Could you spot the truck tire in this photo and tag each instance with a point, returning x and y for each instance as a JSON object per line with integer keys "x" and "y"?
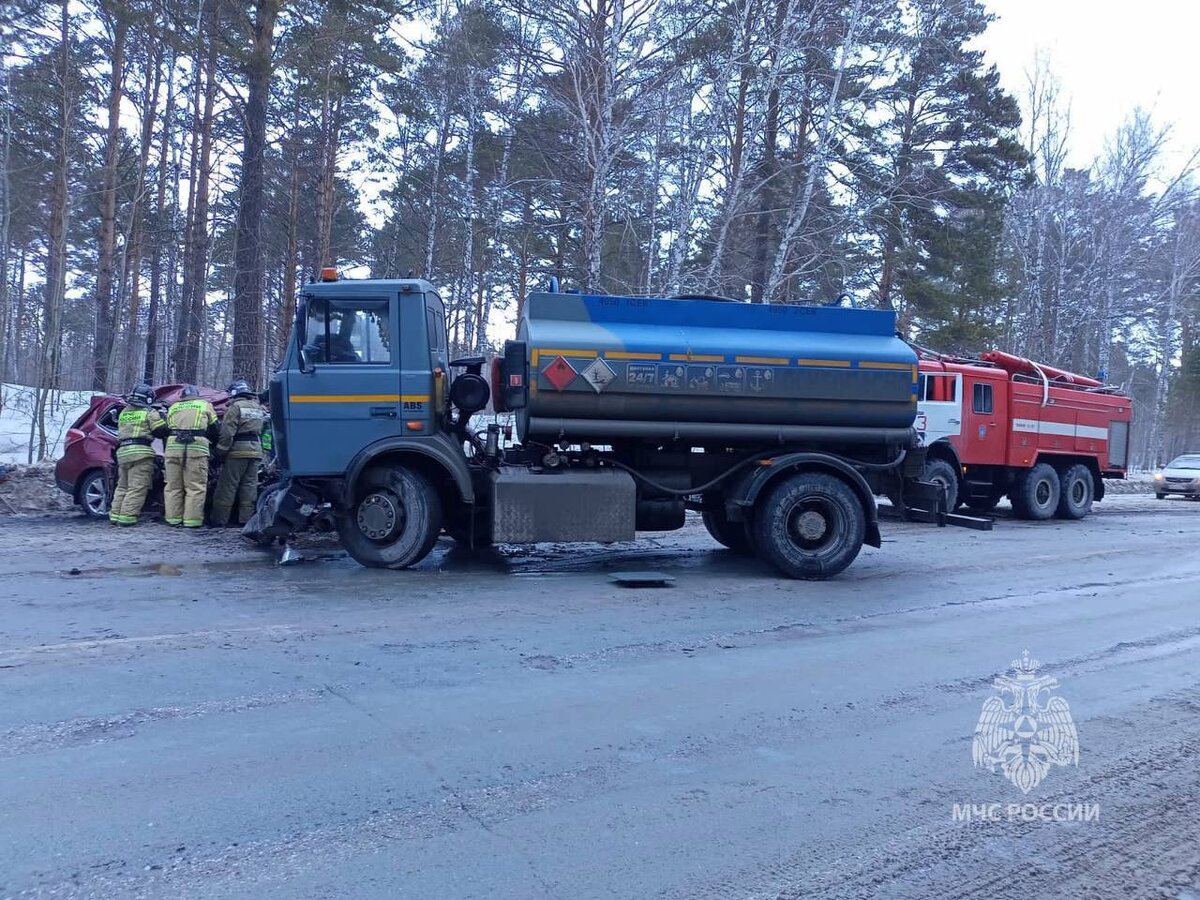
{"x": 810, "y": 525}
{"x": 395, "y": 520}
{"x": 1078, "y": 491}
{"x": 731, "y": 535}
{"x": 941, "y": 472}
{"x": 1035, "y": 495}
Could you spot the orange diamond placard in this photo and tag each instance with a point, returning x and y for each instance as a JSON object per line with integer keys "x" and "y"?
{"x": 559, "y": 373}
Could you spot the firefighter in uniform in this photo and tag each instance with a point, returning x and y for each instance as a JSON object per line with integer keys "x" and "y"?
{"x": 137, "y": 426}
{"x": 240, "y": 450}
{"x": 192, "y": 423}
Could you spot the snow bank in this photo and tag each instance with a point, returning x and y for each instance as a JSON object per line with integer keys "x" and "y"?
{"x": 17, "y": 411}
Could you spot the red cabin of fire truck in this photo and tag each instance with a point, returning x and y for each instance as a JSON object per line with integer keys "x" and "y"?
{"x": 1001, "y": 425}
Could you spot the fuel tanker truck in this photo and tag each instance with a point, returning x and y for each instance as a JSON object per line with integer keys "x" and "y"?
{"x": 778, "y": 424}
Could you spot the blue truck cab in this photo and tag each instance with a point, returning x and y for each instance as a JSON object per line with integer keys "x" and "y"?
{"x": 778, "y": 427}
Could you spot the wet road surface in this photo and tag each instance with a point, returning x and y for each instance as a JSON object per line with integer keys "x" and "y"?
{"x": 180, "y": 718}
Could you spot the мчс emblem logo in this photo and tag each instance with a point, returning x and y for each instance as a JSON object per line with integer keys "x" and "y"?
{"x": 1024, "y": 729}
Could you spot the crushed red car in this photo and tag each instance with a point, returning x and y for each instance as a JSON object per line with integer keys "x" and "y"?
{"x": 86, "y": 470}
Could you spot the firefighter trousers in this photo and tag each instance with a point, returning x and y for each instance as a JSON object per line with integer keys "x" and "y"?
{"x": 135, "y": 477}
{"x": 238, "y": 482}
{"x": 185, "y": 488}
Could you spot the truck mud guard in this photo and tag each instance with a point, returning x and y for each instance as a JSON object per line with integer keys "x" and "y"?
{"x": 747, "y": 489}
{"x": 439, "y": 448}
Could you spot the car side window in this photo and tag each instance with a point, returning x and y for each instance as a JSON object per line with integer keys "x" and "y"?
{"x": 108, "y": 421}
{"x": 981, "y": 401}
{"x": 348, "y": 332}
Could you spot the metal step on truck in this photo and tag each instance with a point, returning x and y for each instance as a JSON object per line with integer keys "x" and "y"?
{"x": 778, "y": 423}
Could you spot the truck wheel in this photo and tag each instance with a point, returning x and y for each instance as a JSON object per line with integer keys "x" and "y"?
{"x": 1078, "y": 491}
{"x": 810, "y": 525}
{"x": 942, "y": 473}
{"x": 395, "y": 519}
{"x": 731, "y": 535}
{"x": 1036, "y": 493}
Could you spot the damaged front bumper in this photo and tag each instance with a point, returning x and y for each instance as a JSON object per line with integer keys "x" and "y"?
{"x": 286, "y": 509}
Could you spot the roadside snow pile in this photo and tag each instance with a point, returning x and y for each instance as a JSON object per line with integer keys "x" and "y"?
{"x": 18, "y": 412}
{"x": 1134, "y": 484}
{"x": 26, "y": 489}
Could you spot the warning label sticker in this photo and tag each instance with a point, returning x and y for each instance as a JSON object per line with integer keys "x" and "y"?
{"x": 559, "y": 373}
{"x": 599, "y": 375}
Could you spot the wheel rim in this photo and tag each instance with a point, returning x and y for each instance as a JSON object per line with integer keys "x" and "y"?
{"x": 380, "y": 516}
{"x": 1042, "y": 492}
{"x": 1078, "y": 492}
{"x": 95, "y": 498}
{"x": 813, "y": 524}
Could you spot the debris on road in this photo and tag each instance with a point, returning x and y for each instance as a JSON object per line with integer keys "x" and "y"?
{"x": 642, "y": 579}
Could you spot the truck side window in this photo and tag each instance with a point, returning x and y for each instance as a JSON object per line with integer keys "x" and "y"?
{"x": 981, "y": 401}
{"x": 435, "y": 337}
{"x": 344, "y": 332}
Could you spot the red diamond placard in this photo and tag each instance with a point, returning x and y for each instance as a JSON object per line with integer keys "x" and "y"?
{"x": 559, "y": 373}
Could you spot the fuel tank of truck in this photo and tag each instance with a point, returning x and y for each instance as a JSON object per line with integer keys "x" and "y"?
{"x": 712, "y": 372}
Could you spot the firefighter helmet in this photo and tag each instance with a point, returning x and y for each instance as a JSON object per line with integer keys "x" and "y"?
{"x": 189, "y": 391}
{"x": 241, "y": 388}
{"x": 141, "y": 394}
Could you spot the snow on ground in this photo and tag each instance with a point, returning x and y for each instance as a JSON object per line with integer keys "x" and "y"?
{"x": 18, "y": 405}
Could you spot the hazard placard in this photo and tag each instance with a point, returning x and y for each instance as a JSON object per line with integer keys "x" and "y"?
{"x": 559, "y": 373}
{"x": 598, "y": 374}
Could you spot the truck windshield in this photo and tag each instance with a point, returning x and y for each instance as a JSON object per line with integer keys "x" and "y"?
{"x": 347, "y": 332}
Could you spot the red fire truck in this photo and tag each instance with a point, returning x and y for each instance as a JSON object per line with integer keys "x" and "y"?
{"x": 1001, "y": 425}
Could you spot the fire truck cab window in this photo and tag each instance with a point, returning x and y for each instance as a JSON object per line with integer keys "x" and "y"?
{"x": 938, "y": 388}
{"x": 981, "y": 401}
{"x": 347, "y": 332}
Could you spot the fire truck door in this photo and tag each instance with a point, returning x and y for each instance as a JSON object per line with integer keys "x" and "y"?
{"x": 985, "y": 432}
{"x": 939, "y": 407}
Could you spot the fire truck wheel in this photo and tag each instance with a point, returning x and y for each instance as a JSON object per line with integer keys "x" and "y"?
{"x": 1078, "y": 491}
{"x": 395, "y": 519}
{"x": 810, "y": 525}
{"x": 1036, "y": 493}
{"x": 942, "y": 473}
{"x": 731, "y": 535}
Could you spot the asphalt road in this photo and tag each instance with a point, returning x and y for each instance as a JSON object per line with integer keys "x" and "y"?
{"x": 183, "y": 719}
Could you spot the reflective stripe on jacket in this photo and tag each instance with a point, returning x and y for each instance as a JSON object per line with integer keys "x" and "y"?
{"x": 136, "y": 427}
{"x": 194, "y": 416}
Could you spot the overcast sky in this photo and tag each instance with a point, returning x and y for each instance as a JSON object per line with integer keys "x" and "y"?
{"x": 1109, "y": 57}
